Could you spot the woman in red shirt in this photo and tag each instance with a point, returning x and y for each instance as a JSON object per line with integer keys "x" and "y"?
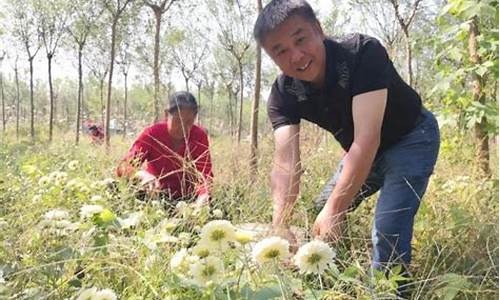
{"x": 173, "y": 155}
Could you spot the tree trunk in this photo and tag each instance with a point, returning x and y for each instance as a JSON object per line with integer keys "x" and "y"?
{"x": 110, "y": 81}
{"x": 156, "y": 64}
{"x": 230, "y": 110}
{"x": 80, "y": 95}
{"x": 186, "y": 79}
{"x": 408, "y": 58}
{"x": 125, "y": 107}
{"x": 18, "y": 100}
{"x": 480, "y": 130}
{"x": 212, "y": 94}
{"x": 51, "y": 100}
{"x": 240, "y": 118}
{"x": 255, "y": 106}
{"x": 103, "y": 120}
{"x": 32, "y": 102}
{"x": 199, "y": 104}
{"x": 3, "y": 102}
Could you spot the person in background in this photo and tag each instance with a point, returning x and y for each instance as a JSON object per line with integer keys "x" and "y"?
{"x": 172, "y": 157}
{"x": 96, "y": 133}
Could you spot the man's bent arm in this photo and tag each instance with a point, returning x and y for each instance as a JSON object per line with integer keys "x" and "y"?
{"x": 368, "y": 113}
{"x": 285, "y": 174}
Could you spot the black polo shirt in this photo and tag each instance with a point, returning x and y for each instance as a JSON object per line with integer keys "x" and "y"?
{"x": 355, "y": 65}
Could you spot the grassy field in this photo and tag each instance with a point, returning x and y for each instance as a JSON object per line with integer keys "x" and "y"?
{"x": 51, "y": 249}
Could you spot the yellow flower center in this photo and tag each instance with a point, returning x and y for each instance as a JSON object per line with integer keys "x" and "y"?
{"x": 273, "y": 253}
{"x": 208, "y": 271}
{"x": 314, "y": 258}
{"x": 217, "y": 235}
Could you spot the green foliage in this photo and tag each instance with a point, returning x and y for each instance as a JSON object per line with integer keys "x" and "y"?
{"x": 455, "y": 68}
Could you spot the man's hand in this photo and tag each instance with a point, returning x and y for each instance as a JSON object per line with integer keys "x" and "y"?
{"x": 328, "y": 227}
{"x": 148, "y": 181}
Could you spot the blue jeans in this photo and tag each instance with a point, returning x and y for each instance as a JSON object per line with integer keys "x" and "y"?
{"x": 401, "y": 173}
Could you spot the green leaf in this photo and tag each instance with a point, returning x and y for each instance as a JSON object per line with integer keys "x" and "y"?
{"x": 453, "y": 285}
{"x": 75, "y": 283}
{"x": 268, "y": 292}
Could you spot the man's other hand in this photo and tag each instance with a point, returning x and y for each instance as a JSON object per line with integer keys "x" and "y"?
{"x": 328, "y": 227}
{"x": 148, "y": 181}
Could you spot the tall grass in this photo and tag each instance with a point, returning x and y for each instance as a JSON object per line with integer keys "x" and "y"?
{"x": 455, "y": 251}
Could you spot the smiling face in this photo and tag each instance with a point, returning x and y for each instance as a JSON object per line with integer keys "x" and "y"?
{"x": 296, "y": 46}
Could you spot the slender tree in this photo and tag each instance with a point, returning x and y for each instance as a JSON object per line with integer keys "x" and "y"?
{"x": 18, "y": 98}
{"x": 115, "y": 8}
{"x": 159, "y": 8}
{"x": 124, "y": 63}
{"x": 85, "y": 14}
{"x": 405, "y": 21}
{"x": 187, "y": 53}
{"x": 25, "y": 28}
{"x": 52, "y": 17}
{"x": 2, "y": 57}
{"x": 235, "y": 37}
{"x": 480, "y": 131}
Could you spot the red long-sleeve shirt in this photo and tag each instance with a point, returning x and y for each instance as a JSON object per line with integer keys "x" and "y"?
{"x": 183, "y": 172}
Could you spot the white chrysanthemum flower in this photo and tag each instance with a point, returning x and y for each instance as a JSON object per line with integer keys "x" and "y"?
{"x": 106, "y": 294}
{"x": 73, "y": 165}
{"x": 58, "y": 177}
{"x": 179, "y": 262}
{"x": 314, "y": 257}
{"x": 132, "y": 221}
{"x": 217, "y": 213}
{"x": 207, "y": 270}
{"x": 88, "y": 211}
{"x": 44, "y": 181}
{"x": 63, "y": 224}
{"x": 36, "y": 198}
{"x": 56, "y": 214}
{"x": 201, "y": 249}
{"x": 270, "y": 249}
{"x": 218, "y": 233}
{"x": 87, "y": 294}
{"x": 96, "y": 198}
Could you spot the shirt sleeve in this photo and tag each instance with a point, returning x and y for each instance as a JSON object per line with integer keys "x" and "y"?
{"x": 372, "y": 69}
{"x": 279, "y": 111}
{"x": 203, "y": 163}
{"x": 137, "y": 154}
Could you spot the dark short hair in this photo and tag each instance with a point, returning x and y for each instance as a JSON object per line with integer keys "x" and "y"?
{"x": 278, "y": 11}
{"x": 181, "y": 100}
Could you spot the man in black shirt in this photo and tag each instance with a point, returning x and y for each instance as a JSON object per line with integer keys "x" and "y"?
{"x": 350, "y": 88}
